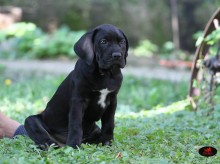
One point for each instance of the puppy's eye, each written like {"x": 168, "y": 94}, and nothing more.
{"x": 122, "y": 41}
{"x": 103, "y": 41}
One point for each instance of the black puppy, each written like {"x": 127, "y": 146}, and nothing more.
{"x": 88, "y": 94}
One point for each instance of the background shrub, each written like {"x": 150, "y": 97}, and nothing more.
{"x": 26, "y": 40}
{"x": 17, "y": 40}
{"x": 59, "y": 43}
{"x": 145, "y": 48}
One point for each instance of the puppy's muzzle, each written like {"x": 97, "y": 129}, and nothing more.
{"x": 116, "y": 55}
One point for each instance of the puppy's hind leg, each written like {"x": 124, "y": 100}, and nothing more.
{"x": 38, "y": 132}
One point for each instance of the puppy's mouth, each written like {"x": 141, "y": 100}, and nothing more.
{"x": 112, "y": 64}
{"x": 113, "y": 69}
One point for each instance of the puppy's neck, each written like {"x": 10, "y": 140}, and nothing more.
{"x": 114, "y": 70}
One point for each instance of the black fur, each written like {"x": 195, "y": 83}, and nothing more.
{"x": 71, "y": 114}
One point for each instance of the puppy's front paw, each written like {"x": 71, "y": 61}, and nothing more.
{"x": 106, "y": 140}
{"x": 47, "y": 145}
{"x": 107, "y": 143}
{"x": 74, "y": 145}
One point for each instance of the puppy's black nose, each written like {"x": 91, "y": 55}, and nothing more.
{"x": 116, "y": 55}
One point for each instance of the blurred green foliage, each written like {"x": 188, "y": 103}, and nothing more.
{"x": 2, "y": 68}
{"x": 168, "y": 47}
{"x": 204, "y": 101}
{"x": 146, "y": 48}
{"x": 26, "y": 40}
{"x": 59, "y": 43}
{"x": 29, "y": 92}
{"x": 211, "y": 39}
{"x": 169, "y": 52}
{"x": 17, "y": 40}
{"x": 139, "y": 19}
{"x": 147, "y": 93}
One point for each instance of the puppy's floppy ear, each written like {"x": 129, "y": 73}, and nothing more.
{"x": 84, "y": 47}
{"x": 127, "y": 45}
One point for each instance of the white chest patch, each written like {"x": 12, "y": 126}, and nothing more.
{"x": 103, "y": 95}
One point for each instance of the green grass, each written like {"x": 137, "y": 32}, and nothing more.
{"x": 154, "y": 124}
{"x": 144, "y": 94}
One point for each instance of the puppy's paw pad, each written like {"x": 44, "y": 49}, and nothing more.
{"x": 46, "y": 146}
{"x": 107, "y": 143}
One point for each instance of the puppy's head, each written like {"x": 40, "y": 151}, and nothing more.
{"x": 106, "y": 44}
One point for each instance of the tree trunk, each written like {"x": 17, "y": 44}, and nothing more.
{"x": 175, "y": 24}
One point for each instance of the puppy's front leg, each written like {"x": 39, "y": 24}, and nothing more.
{"x": 75, "y": 133}
{"x": 108, "y": 122}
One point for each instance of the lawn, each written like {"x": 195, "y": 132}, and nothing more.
{"x": 154, "y": 124}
